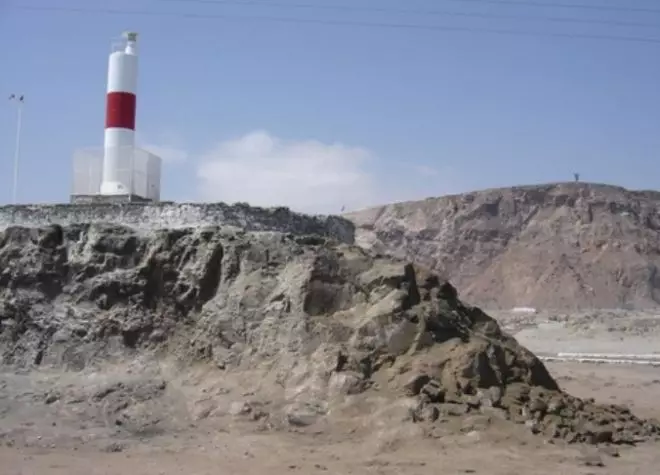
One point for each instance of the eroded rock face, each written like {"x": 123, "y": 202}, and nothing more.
{"x": 320, "y": 320}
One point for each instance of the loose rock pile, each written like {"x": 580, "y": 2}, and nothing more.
{"x": 318, "y": 319}
{"x": 552, "y": 414}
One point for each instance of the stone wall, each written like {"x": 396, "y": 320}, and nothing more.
{"x": 172, "y": 215}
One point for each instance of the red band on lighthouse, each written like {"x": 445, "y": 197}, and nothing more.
{"x": 120, "y": 110}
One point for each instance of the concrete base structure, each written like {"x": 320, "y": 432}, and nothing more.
{"x": 112, "y": 199}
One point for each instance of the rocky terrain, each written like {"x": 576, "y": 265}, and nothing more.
{"x": 565, "y": 246}
{"x": 111, "y": 336}
{"x": 170, "y": 215}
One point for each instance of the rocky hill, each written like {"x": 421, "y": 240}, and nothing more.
{"x": 556, "y": 246}
{"x": 309, "y": 329}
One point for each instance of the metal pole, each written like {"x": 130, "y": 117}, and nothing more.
{"x": 17, "y": 150}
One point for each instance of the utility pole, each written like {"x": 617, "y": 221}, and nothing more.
{"x": 19, "y": 100}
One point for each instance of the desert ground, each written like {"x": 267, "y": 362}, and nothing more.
{"x": 48, "y": 428}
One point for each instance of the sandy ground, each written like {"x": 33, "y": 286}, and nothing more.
{"x": 402, "y": 449}
{"x": 613, "y": 331}
{"x": 396, "y": 447}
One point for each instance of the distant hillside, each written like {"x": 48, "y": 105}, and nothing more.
{"x": 559, "y": 246}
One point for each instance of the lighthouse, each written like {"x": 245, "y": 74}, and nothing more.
{"x": 121, "y": 101}
{"x": 118, "y": 172}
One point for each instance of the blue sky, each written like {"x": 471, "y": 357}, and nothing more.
{"x": 319, "y": 116}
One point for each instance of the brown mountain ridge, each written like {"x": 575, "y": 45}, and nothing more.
{"x": 554, "y": 246}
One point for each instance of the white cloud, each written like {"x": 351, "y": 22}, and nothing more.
{"x": 308, "y": 175}
{"x": 304, "y": 175}
{"x": 166, "y": 153}
{"x": 167, "y": 144}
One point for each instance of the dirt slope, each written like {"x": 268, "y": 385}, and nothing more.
{"x": 556, "y": 246}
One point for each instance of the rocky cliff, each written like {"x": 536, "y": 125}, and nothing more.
{"x": 557, "y": 246}
{"x": 307, "y": 324}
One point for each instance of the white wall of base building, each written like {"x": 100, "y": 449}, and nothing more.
{"x": 118, "y": 142}
{"x": 138, "y": 170}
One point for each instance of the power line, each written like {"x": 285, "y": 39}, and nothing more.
{"x": 351, "y": 8}
{"x": 279, "y": 19}
{"x": 576, "y": 6}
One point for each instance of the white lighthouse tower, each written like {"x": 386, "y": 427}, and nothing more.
{"x": 119, "y": 143}
{"x": 120, "y": 172}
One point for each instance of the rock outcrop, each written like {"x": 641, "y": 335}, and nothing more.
{"x": 560, "y": 246}
{"x": 318, "y": 319}
{"x": 168, "y": 215}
